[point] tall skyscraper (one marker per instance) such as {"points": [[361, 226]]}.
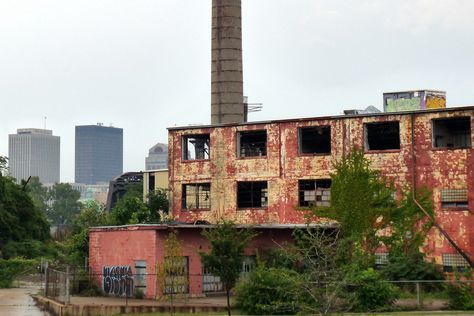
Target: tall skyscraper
{"points": [[99, 153], [157, 157], [34, 152]]}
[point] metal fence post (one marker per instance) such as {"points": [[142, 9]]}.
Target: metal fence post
{"points": [[46, 279], [67, 286], [418, 301]]}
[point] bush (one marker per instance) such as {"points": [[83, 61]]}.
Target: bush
{"points": [[138, 294], [29, 249], [10, 269], [371, 293], [269, 291], [460, 296]]}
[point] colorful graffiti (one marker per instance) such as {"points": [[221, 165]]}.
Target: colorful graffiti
{"points": [[396, 105], [117, 280], [433, 102]]}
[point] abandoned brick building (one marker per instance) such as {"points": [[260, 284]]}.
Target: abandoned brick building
{"points": [[263, 173]]}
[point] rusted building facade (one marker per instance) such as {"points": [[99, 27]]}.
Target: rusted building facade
{"points": [[265, 172]]}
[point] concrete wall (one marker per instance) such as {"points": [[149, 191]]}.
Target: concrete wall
{"points": [[283, 166]]}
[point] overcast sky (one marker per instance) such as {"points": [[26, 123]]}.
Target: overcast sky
{"points": [[145, 65]]}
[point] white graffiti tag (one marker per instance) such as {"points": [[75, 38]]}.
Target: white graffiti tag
{"points": [[117, 280]]}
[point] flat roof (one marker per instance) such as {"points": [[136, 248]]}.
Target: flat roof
{"points": [[320, 118], [328, 224]]}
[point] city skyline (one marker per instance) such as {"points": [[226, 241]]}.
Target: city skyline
{"points": [[118, 62]]}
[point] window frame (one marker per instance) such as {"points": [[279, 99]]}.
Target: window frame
{"points": [[433, 131], [239, 144], [185, 149], [367, 148], [197, 196], [300, 140], [265, 195], [315, 181]]}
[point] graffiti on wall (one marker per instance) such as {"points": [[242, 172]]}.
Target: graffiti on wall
{"points": [[117, 280], [396, 105]]}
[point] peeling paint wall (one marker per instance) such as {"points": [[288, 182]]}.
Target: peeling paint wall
{"points": [[435, 168]]}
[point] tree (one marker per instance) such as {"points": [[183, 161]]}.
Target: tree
{"points": [[130, 210], [38, 193], [227, 253], [20, 220], [172, 272], [361, 202], [64, 203], [158, 204]]}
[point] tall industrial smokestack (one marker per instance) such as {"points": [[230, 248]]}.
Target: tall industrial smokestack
{"points": [[227, 99]]}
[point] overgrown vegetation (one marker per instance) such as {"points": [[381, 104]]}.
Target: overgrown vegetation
{"points": [[226, 255], [12, 268]]}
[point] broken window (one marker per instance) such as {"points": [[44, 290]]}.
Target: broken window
{"points": [[196, 147], [453, 262], [315, 192], [211, 282], [381, 259], [315, 140], [248, 264], [454, 198], [252, 194], [151, 182], [196, 196], [252, 144], [382, 136], [452, 132]]}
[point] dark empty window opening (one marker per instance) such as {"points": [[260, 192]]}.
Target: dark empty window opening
{"points": [[315, 140], [454, 198], [382, 136], [196, 147], [151, 182], [452, 133], [196, 196], [315, 192], [252, 144], [252, 194]]}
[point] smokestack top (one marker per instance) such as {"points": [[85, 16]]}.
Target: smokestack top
{"points": [[227, 104]]}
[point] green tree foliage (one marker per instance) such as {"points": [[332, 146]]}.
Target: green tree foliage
{"points": [[65, 204], [371, 293], [361, 201], [92, 214], [10, 269], [158, 204], [460, 294], [227, 253], [38, 193], [269, 291], [19, 219]]}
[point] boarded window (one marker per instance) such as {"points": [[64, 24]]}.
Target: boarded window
{"points": [[252, 194], [196, 147], [454, 262], [210, 282], [252, 144], [315, 192], [454, 198], [196, 196], [176, 276], [315, 140], [140, 274], [382, 136], [452, 132]]}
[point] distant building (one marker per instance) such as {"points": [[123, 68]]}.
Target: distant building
{"points": [[34, 152], [99, 153], [157, 157], [413, 100]]}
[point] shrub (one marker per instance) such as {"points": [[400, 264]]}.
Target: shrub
{"points": [[269, 291], [460, 296], [10, 269], [371, 293]]}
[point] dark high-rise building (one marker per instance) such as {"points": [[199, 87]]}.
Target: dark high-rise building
{"points": [[99, 153]]}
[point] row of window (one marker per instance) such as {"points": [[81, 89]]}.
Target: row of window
{"points": [[254, 194], [447, 133], [451, 262]]}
